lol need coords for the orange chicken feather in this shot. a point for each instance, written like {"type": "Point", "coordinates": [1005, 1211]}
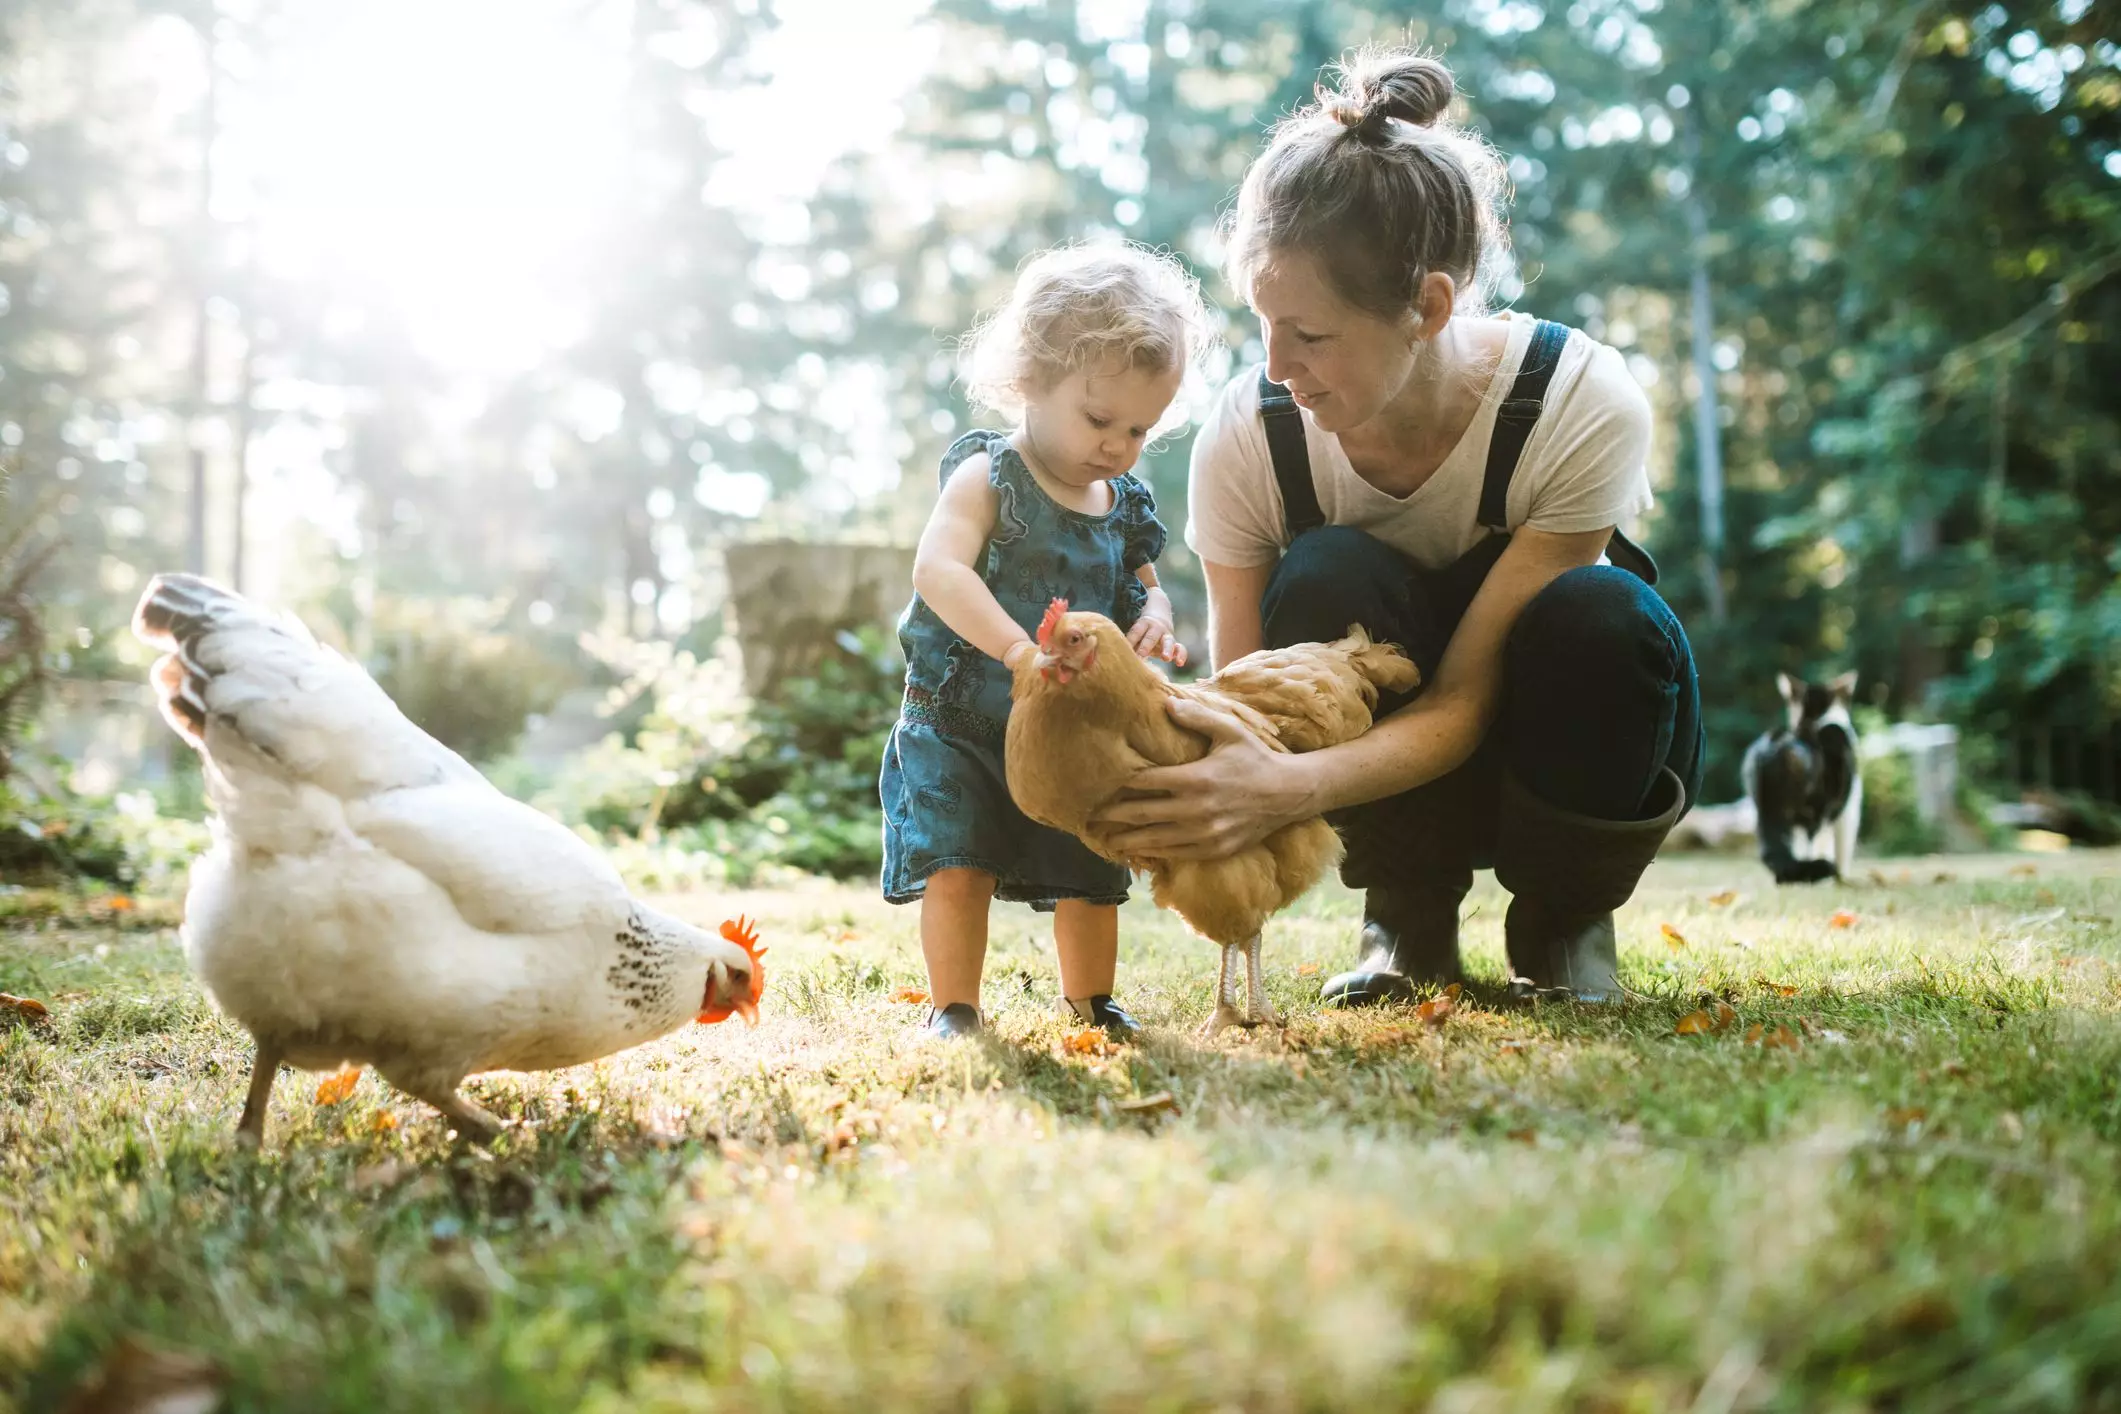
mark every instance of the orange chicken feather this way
{"type": "Point", "coordinates": [1087, 714]}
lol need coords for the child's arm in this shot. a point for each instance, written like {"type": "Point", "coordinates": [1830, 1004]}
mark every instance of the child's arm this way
{"type": "Point", "coordinates": [942, 567]}
{"type": "Point", "coordinates": [1152, 634]}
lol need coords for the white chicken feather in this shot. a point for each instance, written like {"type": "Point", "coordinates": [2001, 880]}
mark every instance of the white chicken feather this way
{"type": "Point", "coordinates": [370, 898]}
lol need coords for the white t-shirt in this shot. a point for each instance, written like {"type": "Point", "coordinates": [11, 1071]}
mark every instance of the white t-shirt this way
{"type": "Point", "coordinates": [1584, 467]}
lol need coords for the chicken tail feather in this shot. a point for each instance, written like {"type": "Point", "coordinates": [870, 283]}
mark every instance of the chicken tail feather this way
{"type": "Point", "coordinates": [176, 614]}
{"type": "Point", "coordinates": [1385, 665]}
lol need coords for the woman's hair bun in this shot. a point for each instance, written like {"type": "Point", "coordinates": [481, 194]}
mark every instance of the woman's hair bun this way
{"type": "Point", "coordinates": [1378, 84]}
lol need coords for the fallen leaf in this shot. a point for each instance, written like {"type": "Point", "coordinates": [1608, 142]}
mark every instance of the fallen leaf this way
{"type": "Point", "coordinates": [1086, 1041]}
{"type": "Point", "coordinates": [1753, 1034]}
{"type": "Point", "coordinates": [1843, 918]}
{"type": "Point", "coordinates": [1524, 1136]}
{"type": "Point", "coordinates": [1515, 1046]}
{"type": "Point", "coordinates": [138, 1377]}
{"type": "Point", "coordinates": [1780, 989]}
{"type": "Point", "coordinates": [1672, 935]}
{"type": "Point", "coordinates": [384, 1122]}
{"type": "Point", "coordinates": [2044, 896]}
{"type": "Point", "coordinates": [909, 994]}
{"type": "Point", "coordinates": [1945, 876]}
{"type": "Point", "coordinates": [26, 1010]}
{"type": "Point", "coordinates": [1906, 1117]}
{"type": "Point", "coordinates": [2025, 871]}
{"type": "Point", "coordinates": [1724, 898]}
{"type": "Point", "coordinates": [1437, 1010]}
{"type": "Point", "coordinates": [1159, 1103]}
{"type": "Point", "coordinates": [335, 1088]}
{"type": "Point", "coordinates": [1780, 1039]}
{"type": "Point", "coordinates": [119, 903]}
{"type": "Point", "coordinates": [1724, 1015]}
{"type": "Point", "coordinates": [1877, 876]}
{"type": "Point", "coordinates": [844, 1136]}
{"type": "Point", "coordinates": [1307, 969]}
{"type": "Point", "coordinates": [1695, 1023]}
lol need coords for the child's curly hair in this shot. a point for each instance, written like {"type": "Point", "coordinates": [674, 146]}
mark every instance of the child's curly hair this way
{"type": "Point", "coordinates": [1082, 307]}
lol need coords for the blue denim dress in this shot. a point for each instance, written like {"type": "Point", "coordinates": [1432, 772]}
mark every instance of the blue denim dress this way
{"type": "Point", "coordinates": [946, 800]}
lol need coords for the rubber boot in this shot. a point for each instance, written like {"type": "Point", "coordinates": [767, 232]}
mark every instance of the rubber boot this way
{"type": "Point", "coordinates": [1409, 941]}
{"type": "Point", "coordinates": [1566, 873]}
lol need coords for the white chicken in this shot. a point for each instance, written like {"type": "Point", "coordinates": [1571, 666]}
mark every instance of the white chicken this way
{"type": "Point", "coordinates": [370, 898]}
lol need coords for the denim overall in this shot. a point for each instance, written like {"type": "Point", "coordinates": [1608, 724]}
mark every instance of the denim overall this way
{"type": "Point", "coordinates": [946, 800]}
{"type": "Point", "coordinates": [1600, 691]}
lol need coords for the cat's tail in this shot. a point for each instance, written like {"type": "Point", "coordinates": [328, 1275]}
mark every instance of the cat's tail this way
{"type": "Point", "coordinates": [1776, 770]}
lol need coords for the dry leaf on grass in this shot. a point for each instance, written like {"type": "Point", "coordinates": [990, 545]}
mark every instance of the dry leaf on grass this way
{"type": "Point", "coordinates": [1437, 1010]}
{"type": "Point", "coordinates": [1672, 935]}
{"type": "Point", "coordinates": [119, 903]}
{"type": "Point", "coordinates": [1945, 876]}
{"type": "Point", "coordinates": [913, 995]}
{"type": "Point", "coordinates": [1779, 1039]}
{"type": "Point", "coordinates": [1161, 1102]}
{"type": "Point", "coordinates": [1086, 1041]}
{"type": "Point", "coordinates": [1843, 918]}
{"type": "Point", "coordinates": [2025, 871]}
{"type": "Point", "coordinates": [1515, 1046]}
{"type": "Point", "coordinates": [1780, 989]}
{"type": "Point", "coordinates": [334, 1089]}
{"type": "Point", "coordinates": [138, 1377]}
{"type": "Point", "coordinates": [384, 1122]}
{"type": "Point", "coordinates": [1307, 969]}
{"type": "Point", "coordinates": [1717, 1016]}
{"type": "Point", "coordinates": [26, 1010]}
{"type": "Point", "coordinates": [1907, 1116]}
{"type": "Point", "coordinates": [1724, 898]}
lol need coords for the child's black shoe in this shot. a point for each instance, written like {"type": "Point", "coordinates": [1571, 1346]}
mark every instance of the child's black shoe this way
{"type": "Point", "coordinates": [1105, 1014]}
{"type": "Point", "coordinates": [953, 1022]}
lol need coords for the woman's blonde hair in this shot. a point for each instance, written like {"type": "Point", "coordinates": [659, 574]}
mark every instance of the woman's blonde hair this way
{"type": "Point", "coordinates": [1379, 186]}
{"type": "Point", "coordinates": [1085, 307]}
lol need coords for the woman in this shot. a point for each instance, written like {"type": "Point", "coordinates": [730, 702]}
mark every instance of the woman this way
{"type": "Point", "coordinates": [1453, 482]}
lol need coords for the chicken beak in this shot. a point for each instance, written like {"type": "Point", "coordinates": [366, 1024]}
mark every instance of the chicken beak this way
{"type": "Point", "coordinates": [748, 1010]}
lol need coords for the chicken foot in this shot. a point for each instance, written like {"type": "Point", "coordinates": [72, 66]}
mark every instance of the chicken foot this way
{"type": "Point", "coordinates": [1226, 1013]}
{"type": "Point", "coordinates": [250, 1129]}
{"type": "Point", "coordinates": [472, 1122]}
{"type": "Point", "coordinates": [1260, 1010]}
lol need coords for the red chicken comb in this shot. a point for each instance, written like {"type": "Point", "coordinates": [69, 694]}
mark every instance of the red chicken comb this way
{"type": "Point", "coordinates": [1054, 611]}
{"type": "Point", "coordinates": [745, 934]}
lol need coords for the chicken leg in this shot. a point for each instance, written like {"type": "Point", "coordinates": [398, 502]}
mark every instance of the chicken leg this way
{"type": "Point", "coordinates": [1226, 1012]}
{"type": "Point", "coordinates": [250, 1129]}
{"type": "Point", "coordinates": [472, 1122]}
{"type": "Point", "coordinates": [1259, 1011]}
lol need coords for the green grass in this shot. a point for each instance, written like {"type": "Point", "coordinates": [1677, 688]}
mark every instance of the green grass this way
{"type": "Point", "coordinates": [1517, 1210]}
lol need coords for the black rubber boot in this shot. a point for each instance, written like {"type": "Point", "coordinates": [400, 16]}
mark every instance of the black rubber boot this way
{"type": "Point", "coordinates": [1566, 874]}
{"type": "Point", "coordinates": [1409, 941]}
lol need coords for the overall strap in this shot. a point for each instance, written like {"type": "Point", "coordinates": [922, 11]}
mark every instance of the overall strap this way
{"type": "Point", "coordinates": [1292, 460]}
{"type": "Point", "coordinates": [1516, 418]}
{"type": "Point", "coordinates": [1514, 422]}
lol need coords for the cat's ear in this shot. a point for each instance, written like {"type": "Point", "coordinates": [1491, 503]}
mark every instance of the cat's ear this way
{"type": "Point", "coordinates": [1843, 687]}
{"type": "Point", "coordinates": [1789, 687]}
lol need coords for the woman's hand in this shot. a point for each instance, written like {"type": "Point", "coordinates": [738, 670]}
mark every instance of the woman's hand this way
{"type": "Point", "coordinates": [1235, 796]}
{"type": "Point", "coordinates": [1153, 635]}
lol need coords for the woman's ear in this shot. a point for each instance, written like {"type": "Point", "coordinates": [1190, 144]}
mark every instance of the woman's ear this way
{"type": "Point", "coordinates": [1432, 310]}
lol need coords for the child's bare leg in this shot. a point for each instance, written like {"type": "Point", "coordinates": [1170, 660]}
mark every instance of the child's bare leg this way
{"type": "Point", "coordinates": [954, 934]}
{"type": "Point", "coordinates": [1086, 936]}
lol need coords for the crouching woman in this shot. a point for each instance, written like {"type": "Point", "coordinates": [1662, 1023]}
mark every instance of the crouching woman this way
{"type": "Point", "coordinates": [1452, 481]}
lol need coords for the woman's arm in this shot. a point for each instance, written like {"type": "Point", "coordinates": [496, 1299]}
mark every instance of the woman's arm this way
{"type": "Point", "coordinates": [943, 575]}
{"type": "Point", "coordinates": [1241, 792]}
{"type": "Point", "coordinates": [1234, 627]}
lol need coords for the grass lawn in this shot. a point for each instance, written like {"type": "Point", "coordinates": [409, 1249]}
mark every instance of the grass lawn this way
{"type": "Point", "coordinates": [1909, 1198]}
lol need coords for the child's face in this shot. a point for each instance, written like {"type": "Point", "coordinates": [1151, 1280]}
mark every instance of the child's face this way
{"type": "Point", "coordinates": [1090, 426]}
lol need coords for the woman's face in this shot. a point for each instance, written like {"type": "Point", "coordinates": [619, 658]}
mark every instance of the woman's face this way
{"type": "Point", "coordinates": [1343, 364]}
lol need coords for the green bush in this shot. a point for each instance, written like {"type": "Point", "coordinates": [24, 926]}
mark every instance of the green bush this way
{"type": "Point", "coordinates": [736, 788]}
{"type": "Point", "coordinates": [1891, 824]}
{"type": "Point", "coordinates": [450, 668]}
{"type": "Point", "coordinates": [122, 839]}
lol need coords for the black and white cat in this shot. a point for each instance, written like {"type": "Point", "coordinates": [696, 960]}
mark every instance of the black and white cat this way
{"type": "Point", "coordinates": [1806, 783]}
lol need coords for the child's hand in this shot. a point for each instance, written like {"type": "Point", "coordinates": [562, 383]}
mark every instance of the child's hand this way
{"type": "Point", "coordinates": [1152, 634]}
